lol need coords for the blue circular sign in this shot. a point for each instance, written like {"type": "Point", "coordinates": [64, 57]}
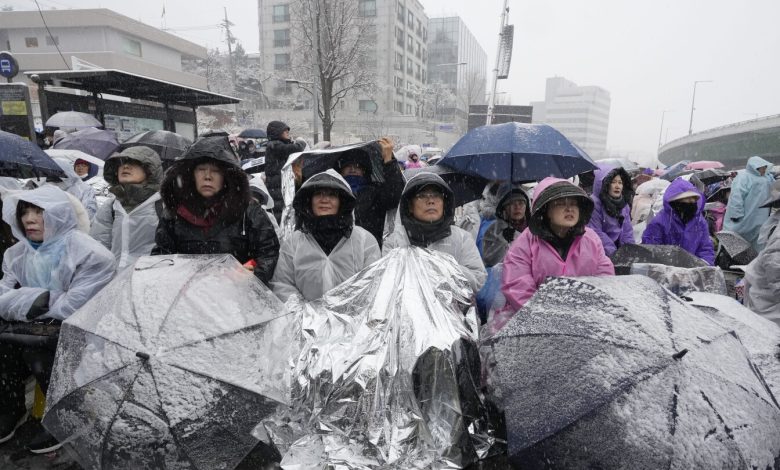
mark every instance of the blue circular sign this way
{"type": "Point", "coordinates": [9, 68]}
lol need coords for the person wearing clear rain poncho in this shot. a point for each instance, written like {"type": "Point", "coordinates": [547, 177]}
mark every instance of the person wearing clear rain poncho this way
{"type": "Point", "coordinates": [51, 272]}
{"type": "Point", "coordinates": [327, 247]}
{"type": "Point", "coordinates": [127, 222]}
{"type": "Point", "coordinates": [73, 184]}
{"type": "Point", "coordinates": [427, 211]}
{"type": "Point", "coordinates": [749, 190]}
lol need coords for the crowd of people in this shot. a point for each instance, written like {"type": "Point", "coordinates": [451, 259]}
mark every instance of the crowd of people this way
{"type": "Point", "coordinates": [507, 243]}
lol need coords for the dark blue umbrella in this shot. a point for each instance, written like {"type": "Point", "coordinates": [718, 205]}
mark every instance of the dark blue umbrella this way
{"type": "Point", "coordinates": [520, 152]}
{"type": "Point", "coordinates": [20, 158]}
{"type": "Point", "coordinates": [466, 188]}
{"type": "Point", "coordinates": [253, 134]}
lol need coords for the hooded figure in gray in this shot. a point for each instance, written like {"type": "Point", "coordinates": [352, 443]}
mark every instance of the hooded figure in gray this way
{"type": "Point", "coordinates": [512, 215]}
{"type": "Point", "coordinates": [127, 222]}
{"type": "Point", "coordinates": [326, 247]}
{"type": "Point", "coordinates": [427, 212]}
{"type": "Point", "coordinates": [68, 267]}
{"type": "Point", "coordinates": [73, 184]}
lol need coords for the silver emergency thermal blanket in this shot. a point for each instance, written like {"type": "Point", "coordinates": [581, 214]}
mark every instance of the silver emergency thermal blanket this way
{"type": "Point", "coordinates": [388, 374]}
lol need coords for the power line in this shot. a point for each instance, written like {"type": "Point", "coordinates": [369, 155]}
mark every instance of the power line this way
{"type": "Point", "coordinates": [53, 40]}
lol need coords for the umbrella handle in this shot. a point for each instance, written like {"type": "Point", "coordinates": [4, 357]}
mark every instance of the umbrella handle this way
{"type": "Point", "coordinates": [168, 261]}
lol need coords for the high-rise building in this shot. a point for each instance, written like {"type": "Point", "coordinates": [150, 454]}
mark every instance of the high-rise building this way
{"type": "Point", "coordinates": [581, 113]}
{"type": "Point", "coordinates": [398, 54]}
{"type": "Point", "coordinates": [457, 61]}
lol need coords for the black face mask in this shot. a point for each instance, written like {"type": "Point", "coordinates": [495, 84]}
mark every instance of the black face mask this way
{"type": "Point", "coordinates": [685, 210]}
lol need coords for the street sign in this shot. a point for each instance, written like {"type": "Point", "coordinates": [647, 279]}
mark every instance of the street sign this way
{"type": "Point", "coordinates": [15, 111]}
{"type": "Point", "coordinates": [9, 68]}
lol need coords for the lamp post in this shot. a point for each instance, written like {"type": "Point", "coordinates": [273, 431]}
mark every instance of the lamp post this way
{"type": "Point", "coordinates": [314, 105]}
{"type": "Point", "coordinates": [661, 133]}
{"type": "Point", "coordinates": [693, 102]}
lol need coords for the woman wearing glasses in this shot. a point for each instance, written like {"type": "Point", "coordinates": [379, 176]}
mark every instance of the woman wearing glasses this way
{"type": "Point", "coordinates": [557, 243]}
{"type": "Point", "coordinates": [326, 248]}
{"type": "Point", "coordinates": [427, 211]}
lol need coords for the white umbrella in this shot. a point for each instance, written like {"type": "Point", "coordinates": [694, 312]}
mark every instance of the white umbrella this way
{"type": "Point", "coordinates": [73, 119]}
{"type": "Point", "coordinates": [74, 155]}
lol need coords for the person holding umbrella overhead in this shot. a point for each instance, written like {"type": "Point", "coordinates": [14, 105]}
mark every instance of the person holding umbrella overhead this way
{"type": "Point", "coordinates": [373, 199]}
{"type": "Point", "coordinates": [558, 242]}
{"type": "Point", "coordinates": [127, 222]}
{"type": "Point", "coordinates": [326, 248]}
{"type": "Point", "coordinates": [611, 219]}
{"type": "Point", "coordinates": [427, 210]}
{"type": "Point", "coordinates": [208, 208]}
{"type": "Point", "coordinates": [48, 274]}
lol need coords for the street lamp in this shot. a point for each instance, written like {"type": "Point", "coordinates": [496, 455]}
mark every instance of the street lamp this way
{"type": "Point", "coordinates": [314, 105]}
{"type": "Point", "coordinates": [661, 133]}
{"type": "Point", "coordinates": [693, 102]}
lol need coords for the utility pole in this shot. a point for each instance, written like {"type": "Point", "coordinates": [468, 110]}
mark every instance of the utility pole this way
{"type": "Point", "coordinates": [492, 103]}
{"type": "Point", "coordinates": [230, 40]}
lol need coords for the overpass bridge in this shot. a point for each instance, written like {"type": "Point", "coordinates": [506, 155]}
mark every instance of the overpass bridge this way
{"type": "Point", "coordinates": [731, 145]}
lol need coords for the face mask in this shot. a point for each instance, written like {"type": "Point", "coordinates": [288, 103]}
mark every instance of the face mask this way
{"type": "Point", "coordinates": [356, 183]}
{"type": "Point", "coordinates": [685, 210]}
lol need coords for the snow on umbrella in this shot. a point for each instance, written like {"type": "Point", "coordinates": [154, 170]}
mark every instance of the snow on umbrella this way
{"type": "Point", "coordinates": [73, 155]}
{"type": "Point", "coordinates": [713, 175]}
{"type": "Point", "coordinates": [99, 143]}
{"type": "Point", "coordinates": [683, 281]}
{"type": "Point", "coordinates": [669, 255]}
{"type": "Point", "coordinates": [733, 249]}
{"type": "Point", "coordinates": [168, 145]}
{"type": "Point", "coordinates": [520, 152]}
{"type": "Point", "coordinates": [624, 163]}
{"type": "Point", "coordinates": [20, 158]}
{"type": "Point", "coordinates": [370, 153]}
{"type": "Point", "coordinates": [759, 335]}
{"type": "Point", "coordinates": [167, 366]}
{"type": "Point", "coordinates": [253, 134]}
{"type": "Point", "coordinates": [616, 372]}
{"type": "Point", "coordinates": [72, 119]}
{"type": "Point", "coordinates": [466, 188]}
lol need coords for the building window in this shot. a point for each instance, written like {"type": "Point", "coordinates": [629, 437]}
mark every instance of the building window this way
{"type": "Point", "coordinates": [398, 82]}
{"type": "Point", "coordinates": [417, 73]}
{"type": "Point", "coordinates": [52, 40]}
{"type": "Point", "coordinates": [425, 35]}
{"type": "Point", "coordinates": [409, 66]}
{"type": "Point", "coordinates": [409, 43]}
{"type": "Point", "coordinates": [367, 106]}
{"type": "Point", "coordinates": [31, 42]}
{"type": "Point", "coordinates": [419, 28]}
{"type": "Point", "coordinates": [281, 13]}
{"type": "Point", "coordinates": [281, 61]}
{"type": "Point", "coordinates": [410, 20]}
{"type": "Point", "coordinates": [132, 47]}
{"type": "Point", "coordinates": [399, 61]}
{"type": "Point", "coordinates": [400, 13]}
{"type": "Point", "coordinates": [399, 107]}
{"type": "Point", "coordinates": [367, 8]}
{"type": "Point", "coordinates": [370, 34]}
{"type": "Point", "coordinates": [399, 36]}
{"type": "Point", "coordinates": [281, 37]}
{"type": "Point", "coordinates": [418, 52]}
{"type": "Point", "coordinates": [408, 109]}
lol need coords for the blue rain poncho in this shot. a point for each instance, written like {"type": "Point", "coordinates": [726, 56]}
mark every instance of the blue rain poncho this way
{"type": "Point", "coordinates": [69, 264]}
{"type": "Point", "coordinates": [748, 192]}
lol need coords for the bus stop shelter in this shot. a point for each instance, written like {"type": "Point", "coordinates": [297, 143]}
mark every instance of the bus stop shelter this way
{"type": "Point", "coordinates": [158, 104]}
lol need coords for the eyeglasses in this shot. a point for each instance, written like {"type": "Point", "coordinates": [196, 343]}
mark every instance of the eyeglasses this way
{"type": "Point", "coordinates": [326, 193]}
{"type": "Point", "coordinates": [429, 196]}
{"type": "Point", "coordinates": [567, 202]}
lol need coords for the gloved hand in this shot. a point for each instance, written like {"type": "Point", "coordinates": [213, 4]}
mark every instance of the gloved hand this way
{"type": "Point", "coordinates": [301, 142]}
{"type": "Point", "coordinates": [508, 234]}
{"type": "Point", "coordinates": [39, 307]}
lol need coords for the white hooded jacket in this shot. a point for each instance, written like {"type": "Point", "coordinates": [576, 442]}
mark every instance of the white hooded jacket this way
{"type": "Point", "coordinates": [69, 264]}
{"type": "Point", "coordinates": [73, 184]}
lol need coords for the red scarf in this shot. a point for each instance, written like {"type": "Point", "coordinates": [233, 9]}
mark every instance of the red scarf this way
{"type": "Point", "coordinates": [203, 222]}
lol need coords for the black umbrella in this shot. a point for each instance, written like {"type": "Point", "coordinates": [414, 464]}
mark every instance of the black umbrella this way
{"type": "Point", "coordinates": [168, 145]}
{"type": "Point", "coordinates": [467, 188]}
{"type": "Point", "coordinates": [669, 255]}
{"type": "Point", "coordinates": [253, 134]}
{"type": "Point", "coordinates": [713, 175]}
{"type": "Point", "coordinates": [369, 153]}
{"type": "Point", "coordinates": [616, 372]}
{"type": "Point", "coordinates": [166, 367]}
{"type": "Point", "coordinates": [733, 249]}
{"type": "Point", "coordinates": [20, 158]}
{"type": "Point", "coordinates": [96, 142]}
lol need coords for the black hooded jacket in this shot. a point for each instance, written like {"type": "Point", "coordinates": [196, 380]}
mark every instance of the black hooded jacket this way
{"type": "Point", "coordinates": [241, 226]}
{"type": "Point", "coordinates": [276, 152]}
{"type": "Point", "coordinates": [375, 199]}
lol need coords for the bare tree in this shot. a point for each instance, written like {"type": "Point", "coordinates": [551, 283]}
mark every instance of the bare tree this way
{"type": "Point", "coordinates": [472, 90]}
{"type": "Point", "coordinates": [332, 44]}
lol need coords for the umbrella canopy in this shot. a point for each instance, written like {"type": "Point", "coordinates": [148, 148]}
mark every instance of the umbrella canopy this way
{"type": "Point", "coordinates": [713, 175]}
{"type": "Point", "coordinates": [167, 366]}
{"type": "Point", "coordinates": [673, 171]}
{"type": "Point", "coordinates": [591, 374]}
{"type": "Point", "coordinates": [703, 165]}
{"type": "Point", "coordinates": [669, 255]}
{"type": "Point", "coordinates": [100, 143]}
{"type": "Point", "coordinates": [253, 134]}
{"type": "Point", "coordinates": [254, 165]}
{"type": "Point", "coordinates": [74, 155]}
{"type": "Point", "coordinates": [20, 158]}
{"type": "Point", "coordinates": [72, 119]}
{"type": "Point", "coordinates": [733, 249]}
{"type": "Point", "coordinates": [168, 145]}
{"type": "Point", "coordinates": [517, 152]}
{"type": "Point", "coordinates": [467, 188]}
{"type": "Point", "coordinates": [624, 163]}
{"type": "Point", "coordinates": [369, 153]}
{"type": "Point", "coordinates": [683, 281]}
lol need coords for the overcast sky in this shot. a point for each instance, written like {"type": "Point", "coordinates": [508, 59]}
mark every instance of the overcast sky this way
{"type": "Point", "coordinates": [646, 53]}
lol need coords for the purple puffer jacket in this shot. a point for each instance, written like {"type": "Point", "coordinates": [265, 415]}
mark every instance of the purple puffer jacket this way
{"type": "Point", "coordinates": [667, 228]}
{"type": "Point", "coordinates": [612, 233]}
